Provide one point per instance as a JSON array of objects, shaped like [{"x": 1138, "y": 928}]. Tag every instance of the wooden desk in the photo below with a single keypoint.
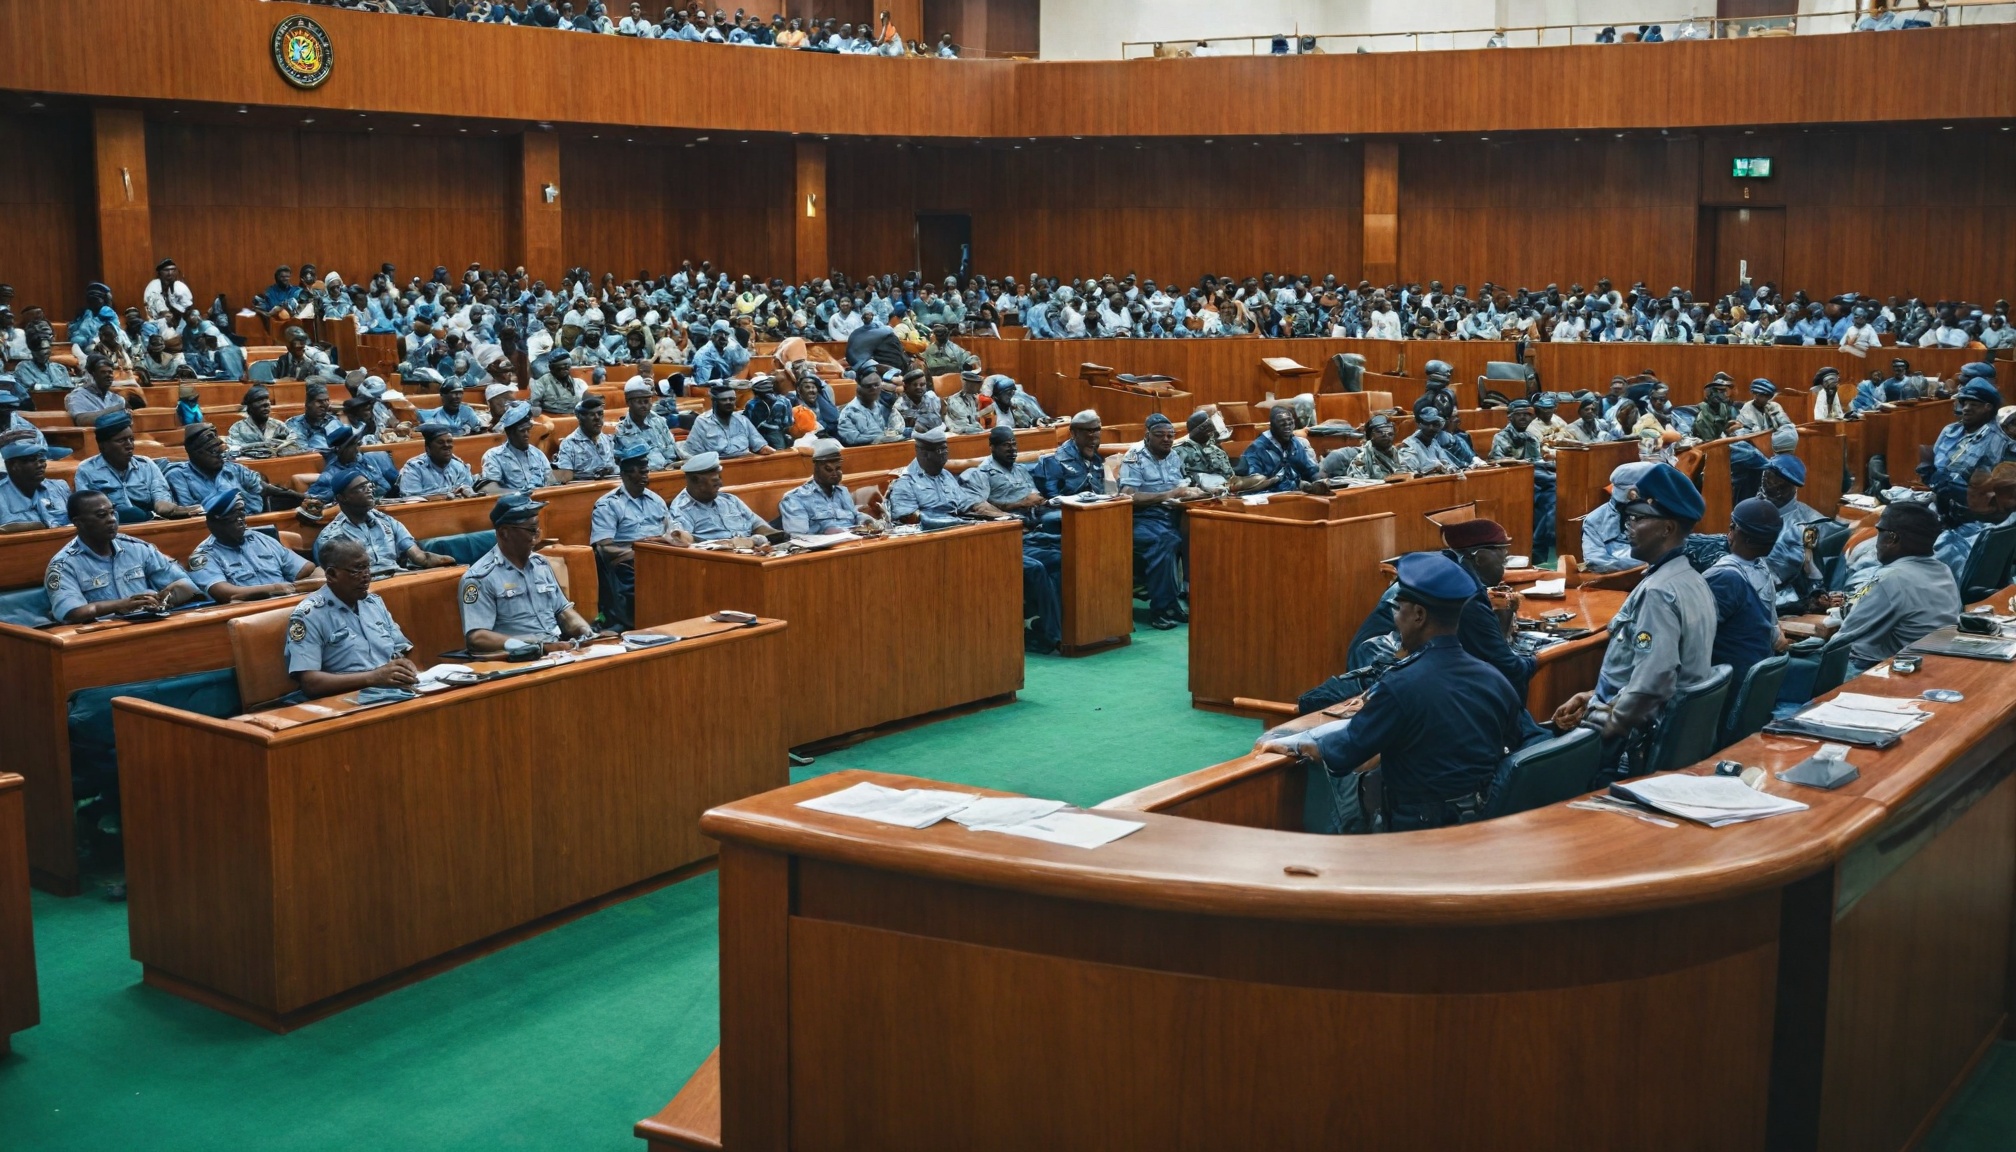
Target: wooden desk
[
  {"x": 1563, "y": 669},
  {"x": 881, "y": 630},
  {"x": 41, "y": 668},
  {"x": 1826, "y": 978},
  {"x": 20, "y": 1006},
  {"x": 1580, "y": 474},
  {"x": 1823, "y": 448},
  {"x": 280, "y": 876},
  {"x": 1097, "y": 588},
  {"x": 1718, "y": 491}
]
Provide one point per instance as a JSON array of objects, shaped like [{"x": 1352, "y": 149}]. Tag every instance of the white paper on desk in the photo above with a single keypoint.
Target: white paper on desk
[
  {"x": 903, "y": 807},
  {"x": 1863, "y": 702},
  {"x": 1255, "y": 498},
  {"x": 432, "y": 680},
  {"x": 1875, "y": 713},
  {"x": 1073, "y": 829},
  {"x": 1711, "y": 800},
  {"x": 597, "y": 651},
  {"x": 1518, "y": 561},
  {"x": 1548, "y": 587},
  {"x": 989, "y": 811},
  {"x": 824, "y": 540}
]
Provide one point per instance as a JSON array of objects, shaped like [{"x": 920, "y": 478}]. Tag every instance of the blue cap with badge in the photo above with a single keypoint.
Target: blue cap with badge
[
  {"x": 630, "y": 448},
  {"x": 21, "y": 449},
  {"x": 1757, "y": 518},
  {"x": 1434, "y": 580},
  {"x": 518, "y": 412},
  {"x": 1790, "y": 467},
  {"x": 1982, "y": 390},
  {"x": 515, "y": 508},
  {"x": 1665, "y": 492},
  {"x": 222, "y": 501}
]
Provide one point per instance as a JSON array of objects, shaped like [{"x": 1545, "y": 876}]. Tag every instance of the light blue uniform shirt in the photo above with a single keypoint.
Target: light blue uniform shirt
[
  {"x": 465, "y": 420},
  {"x": 587, "y": 459},
  {"x": 711, "y": 363},
  {"x": 726, "y": 516},
  {"x": 516, "y": 470},
  {"x": 624, "y": 519},
  {"x": 498, "y": 597},
  {"x": 47, "y": 504},
  {"x": 1605, "y": 548},
  {"x": 186, "y": 485},
  {"x": 422, "y": 477},
  {"x": 913, "y": 491},
  {"x": 326, "y": 635},
  {"x": 656, "y": 434},
  {"x": 313, "y": 436},
  {"x": 140, "y": 485},
  {"x": 862, "y": 423},
  {"x": 260, "y": 559},
  {"x": 809, "y": 510},
  {"x": 1958, "y": 452},
  {"x": 996, "y": 484},
  {"x": 383, "y": 537},
  {"x": 1141, "y": 471},
  {"x": 77, "y": 576},
  {"x": 738, "y": 437}
]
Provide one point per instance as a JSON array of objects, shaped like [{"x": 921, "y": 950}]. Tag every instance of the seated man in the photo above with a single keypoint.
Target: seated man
[
  {"x": 258, "y": 436},
  {"x": 311, "y": 429},
  {"x": 641, "y": 424},
  {"x": 623, "y": 516},
  {"x": 917, "y": 406},
  {"x": 704, "y": 512},
  {"x": 722, "y": 430},
  {"x": 1790, "y": 559},
  {"x": 104, "y": 573},
  {"x": 926, "y": 488},
  {"x": 1377, "y": 460},
  {"x": 1280, "y": 456},
  {"x": 235, "y": 564},
  {"x": 346, "y": 451},
  {"x": 511, "y": 594},
  {"x": 1975, "y": 440},
  {"x": 1605, "y": 545},
  {"x": 304, "y": 361},
  {"x": 516, "y": 466},
  {"x": 1003, "y": 482},
  {"x": 14, "y": 426},
  {"x": 1424, "y": 453},
  {"x": 1480, "y": 548},
  {"x": 1991, "y": 498},
  {"x": 822, "y": 505},
  {"x": 28, "y": 498},
  {"x": 453, "y": 413},
  {"x": 1152, "y": 474},
  {"x": 1439, "y": 721},
  {"x": 1661, "y": 638},
  {"x": 1520, "y": 440},
  {"x": 1911, "y": 595},
  {"x": 341, "y": 637},
  {"x": 865, "y": 419},
  {"x": 437, "y": 473},
  {"x": 194, "y": 480},
  {"x": 1745, "y": 591},
  {"x": 588, "y": 452},
  {"x": 1206, "y": 467},
  {"x": 386, "y": 540},
  {"x": 1013, "y": 405},
  {"x": 95, "y": 396},
  {"x": 135, "y": 484}
]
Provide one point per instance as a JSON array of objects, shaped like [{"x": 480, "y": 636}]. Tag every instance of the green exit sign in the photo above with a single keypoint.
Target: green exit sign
[{"x": 1751, "y": 168}]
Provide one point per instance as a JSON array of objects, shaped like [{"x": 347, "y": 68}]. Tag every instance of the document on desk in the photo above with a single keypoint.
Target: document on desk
[
  {"x": 825, "y": 540},
  {"x": 1889, "y": 714},
  {"x": 1711, "y": 800},
  {"x": 903, "y": 807},
  {"x": 1073, "y": 829},
  {"x": 988, "y": 812},
  {"x": 1547, "y": 588}
]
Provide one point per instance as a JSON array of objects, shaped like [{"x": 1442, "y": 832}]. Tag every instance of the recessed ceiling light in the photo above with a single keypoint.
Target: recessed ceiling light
[
  {"x": 38, "y": 104},
  {"x": 699, "y": 139},
  {"x": 307, "y": 120}
]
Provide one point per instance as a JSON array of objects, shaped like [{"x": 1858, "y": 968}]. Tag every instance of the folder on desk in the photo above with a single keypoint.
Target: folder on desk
[{"x": 1952, "y": 642}]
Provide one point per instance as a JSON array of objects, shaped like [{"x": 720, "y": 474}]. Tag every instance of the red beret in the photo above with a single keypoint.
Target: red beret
[{"x": 1468, "y": 534}]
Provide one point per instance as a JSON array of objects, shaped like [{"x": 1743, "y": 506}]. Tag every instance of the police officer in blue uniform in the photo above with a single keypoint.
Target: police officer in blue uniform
[
  {"x": 511, "y": 592},
  {"x": 623, "y": 516},
  {"x": 822, "y": 505},
  {"x": 1440, "y": 721},
  {"x": 104, "y": 573},
  {"x": 704, "y": 512},
  {"x": 196, "y": 479},
  {"x": 346, "y": 454},
  {"x": 136, "y": 485},
  {"x": 1075, "y": 467},
  {"x": 516, "y": 466},
  {"x": 1003, "y": 482},
  {"x": 341, "y": 637},
  {"x": 234, "y": 564},
  {"x": 1282, "y": 456},
  {"x": 28, "y": 498},
  {"x": 1152, "y": 474},
  {"x": 358, "y": 517},
  {"x": 436, "y": 473}
]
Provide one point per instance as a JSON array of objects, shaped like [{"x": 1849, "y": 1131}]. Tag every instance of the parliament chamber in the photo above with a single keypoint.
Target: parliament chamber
[{"x": 1105, "y": 575}]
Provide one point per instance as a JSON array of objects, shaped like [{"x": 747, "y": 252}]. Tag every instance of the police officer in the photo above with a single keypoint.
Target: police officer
[
  {"x": 1440, "y": 720},
  {"x": 196, "y": 479},
  {"x": 105, "y": 573},
  {"x": 1791, "y": 561},
  {"x": 1436, "y": 389},
  {"x": 640, "y": 423},
  {"x": 1480, "y": 548},
  {"x": 1075, "y": 468},
  {"x": 516, "y": 466},
  {"x": 704, "y": 512},
  {"x": 1662, "y": 638},
  {"x": 1605, "y": 547},
  {"x": 28, "y": 498},
  {"x": 135, "y": 484},
  {"x": 386, "y": 540},
  {"x": 1975, "y": 440},
  {"x": 1152, "y": 474},
  {"x": 436, "y": 473},
  {"x": 822, "y": 505},
  {"x": 588, "y": 452},
  {"x": 1003, "y": 482},
  {"x": 1520, "y": 440},
  {"x": 341, "y": 637},
  {"x": 623, "y": 516},
  {"x": 1745, "y": 591},
  {"x": 724, "y": 431},
  {"x": 1281, "y": 456},
  {"x": 510, "y": 592},
  {"x": 1378, "y": 459},
  {"x": 1424, "y": 453},
  {"x": 346, "y": 453},
  {"x": 925, "y": 487},
  {"x": 234, "y": 564}
]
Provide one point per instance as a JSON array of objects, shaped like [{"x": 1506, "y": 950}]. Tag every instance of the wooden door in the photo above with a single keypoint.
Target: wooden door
[{"x": 1749, "y": 243}]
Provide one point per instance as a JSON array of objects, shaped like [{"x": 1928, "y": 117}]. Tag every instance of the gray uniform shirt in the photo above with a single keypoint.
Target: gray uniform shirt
[
  {"x": 383, "y": 537},
  {"x": 655, "y": 433},
  {"x": 518, "y": 602},
  {"x": 259, "y": 559},
  {"x": 726, "y": 516},
  {"x": 809, "y": 510},
  {"x": 140, "y": 486},
  {"x": 913, "y": 491},
  {"x": 1660, "y": 640},
  {"x": 517, "y": 471},
  {"x": 623, "y": 519},
  {"x": 1908, "y": 598},
  {"x": 77, "y": 576},
  {"x": 326, "y": 635}
]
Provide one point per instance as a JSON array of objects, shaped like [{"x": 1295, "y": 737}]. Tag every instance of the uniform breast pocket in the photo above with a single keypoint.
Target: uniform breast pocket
[{"x": 127, "y": 575}]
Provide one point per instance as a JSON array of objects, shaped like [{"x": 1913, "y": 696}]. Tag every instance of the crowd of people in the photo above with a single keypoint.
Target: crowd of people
[{"x": 694, "y": 25}]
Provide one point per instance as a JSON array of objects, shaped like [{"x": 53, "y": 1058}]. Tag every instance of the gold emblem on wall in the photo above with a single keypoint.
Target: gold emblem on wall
[{"x": 301, "y": 52}]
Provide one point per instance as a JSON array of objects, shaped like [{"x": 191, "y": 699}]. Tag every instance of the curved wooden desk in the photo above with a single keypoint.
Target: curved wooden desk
[{"x": 1554, "y": 979}]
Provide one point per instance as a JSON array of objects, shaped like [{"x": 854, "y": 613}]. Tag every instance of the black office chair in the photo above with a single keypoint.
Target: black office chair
[
  {"x": 1987, "y": 568},
  {"x": 1544, "y": 773},
  {"x": 1350, "y": 369},
  {"x": 1750, "y": 705},
  {"x": 1814, "y": 669},
  {"x": 1690, "y": 723},
  {"x": 1827, "y": 550},
  {"x": 1514, "y": 381}
]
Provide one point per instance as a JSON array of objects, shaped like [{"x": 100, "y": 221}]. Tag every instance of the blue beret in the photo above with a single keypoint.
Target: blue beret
[
  {"x": 1519, "y": 404},
  {"x": 112, "y": 423},
  {"x": 1664, "y": 491},
  {"x": 21, "y": 448},
  {"x": 936, "y": 434},
  {"x": 1790, "y": 467},
  {"x": 1979, "y": 389},
  {"x": 631, "y": 449},
  {"x": 1545, "y": 402},
  {"x": 343, "y": 434},
  {"x": 1639, "y": 393},
  {"x": 517, "y": 412},
  {"x": 342, "y": 476},
  {"x": 1427, "y": 413},
  {"x": 1763, "y": 387},
  {"x": 1758, "y": 518},
  {"x": 515, "y": 508},
  {"x": 223, "y": 500},
  {"x": 1977, "y": 371},
  {"x": 1433, "y": 579},
  {"x": 1157, "y": 420}
]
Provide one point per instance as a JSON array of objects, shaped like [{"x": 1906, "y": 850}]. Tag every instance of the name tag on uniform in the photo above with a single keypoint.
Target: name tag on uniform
[{"x": 510, "y": 591}]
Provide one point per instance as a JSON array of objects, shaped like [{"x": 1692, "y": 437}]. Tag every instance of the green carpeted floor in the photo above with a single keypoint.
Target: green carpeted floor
[{"x": 564, "y": 1040}]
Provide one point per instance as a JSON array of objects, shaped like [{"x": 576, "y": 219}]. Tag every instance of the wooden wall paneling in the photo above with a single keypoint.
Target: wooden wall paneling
[
  {"x": 809, "y": 212},
  {"x": 125, "y": 234},
  {"x": 540, "y": 229},
  {"x": 632, "y": 208},
  {"x": 1381, "y": 206},
  {"x": 48, "y": 251},
  {"x": 20, "y": 1002}
]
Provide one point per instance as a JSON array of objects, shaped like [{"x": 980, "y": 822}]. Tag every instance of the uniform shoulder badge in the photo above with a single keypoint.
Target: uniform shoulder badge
[
  {"x": 54, "y": 580},
  {"x": 1642, "y": 641},
  {"x": 199, "y": 559},
  {"x": 297, "y": 629},
  {"x": 469, "y": 592}
]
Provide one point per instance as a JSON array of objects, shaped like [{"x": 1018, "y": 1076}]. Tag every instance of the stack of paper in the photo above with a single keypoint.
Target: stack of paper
[
  {"x": 1546, "y": 588},
  {"x": 1023, "y": 816},
  {"x": 1890, "y": 714},
  {"x": 1710, "y": 800},
  {"x": 823, "y": 540}
]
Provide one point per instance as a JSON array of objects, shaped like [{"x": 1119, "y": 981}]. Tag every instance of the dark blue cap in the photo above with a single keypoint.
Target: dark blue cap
[
  {"x": 431, "y": 428},
  {"x": 1433, "y": 579},
  {"x": 1790, "y": 467},
  {"x": 629, "y": 449},
  {"x": 1977, "y": 370},
  {"x": 515, "y": 508},
  {"x": 1758, "y": 518},
  {"x": 222, "y": 501},
  {"x": 341, "y": 476},
  {"x": 1980, "y": 389},
  {"x": 1665, "y": 492},
  {"x": 343, "y": 434},
  {"x": 1763, "y": 387}
]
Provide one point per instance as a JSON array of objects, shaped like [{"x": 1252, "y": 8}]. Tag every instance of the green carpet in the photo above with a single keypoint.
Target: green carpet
[{"x": 565, "y": 1040}]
